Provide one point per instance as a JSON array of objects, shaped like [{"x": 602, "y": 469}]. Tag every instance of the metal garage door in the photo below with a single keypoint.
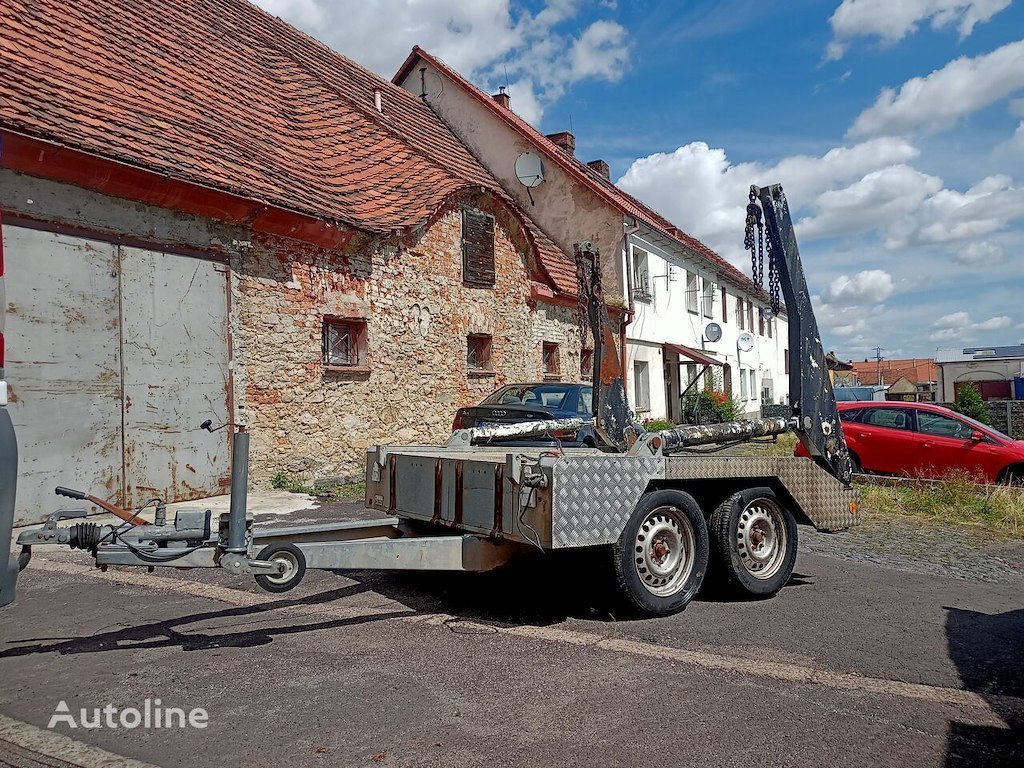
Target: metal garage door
[{"x": 114, "y": 356}]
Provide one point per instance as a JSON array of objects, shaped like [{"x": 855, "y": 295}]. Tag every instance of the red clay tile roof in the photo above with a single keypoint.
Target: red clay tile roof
[
  {"x": 625, "y": 202},
  {"x": 915, "y": 370},
  {"x": 221, "y": 94}
]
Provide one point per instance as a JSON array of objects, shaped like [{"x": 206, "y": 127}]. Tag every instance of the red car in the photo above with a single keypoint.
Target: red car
[{"x": 925, "y": 440}]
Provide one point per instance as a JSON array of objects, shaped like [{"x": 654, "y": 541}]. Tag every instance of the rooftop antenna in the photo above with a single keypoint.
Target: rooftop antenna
[{"x": 878, "y": 363}]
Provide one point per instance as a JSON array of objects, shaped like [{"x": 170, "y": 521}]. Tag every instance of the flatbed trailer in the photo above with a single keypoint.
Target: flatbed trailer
[{"x": 663, "y": 506}]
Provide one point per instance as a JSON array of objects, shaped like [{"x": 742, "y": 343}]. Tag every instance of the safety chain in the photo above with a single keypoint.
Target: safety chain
[{"x": 757, "y": 249}]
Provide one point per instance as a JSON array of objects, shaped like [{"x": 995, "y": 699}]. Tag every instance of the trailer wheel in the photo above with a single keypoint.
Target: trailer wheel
[
  {"x": 755, "y": 541},
  {"x": 660, "y": 559},
  {"x": 294, "y": 563}
]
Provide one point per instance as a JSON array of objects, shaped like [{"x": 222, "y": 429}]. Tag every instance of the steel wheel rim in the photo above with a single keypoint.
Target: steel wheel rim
[
  {"x": 663, "y": 551},
  {"x": 761, "y": 538},
  {"x": 291, "y": 567}
]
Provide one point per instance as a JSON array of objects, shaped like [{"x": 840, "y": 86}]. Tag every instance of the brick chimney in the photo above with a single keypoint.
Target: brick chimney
[
  {"x": 503, "y": 98},
  {"x": 565, "y": 140},
  {"x": 601, "y": 167}
]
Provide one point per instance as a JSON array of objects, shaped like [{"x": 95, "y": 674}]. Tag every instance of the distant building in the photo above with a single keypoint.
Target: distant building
[
  {"x": 998, "y": 372},
  {"x": 922, "y": 373}
]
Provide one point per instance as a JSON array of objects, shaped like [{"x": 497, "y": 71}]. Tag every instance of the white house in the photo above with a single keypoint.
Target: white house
[
  {"x": 672, "y": 286},
  {"x": 689, "y": 313}
]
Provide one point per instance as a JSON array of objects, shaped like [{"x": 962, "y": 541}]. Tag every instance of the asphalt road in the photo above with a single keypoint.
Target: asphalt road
[{"x": 853, "y": 664}]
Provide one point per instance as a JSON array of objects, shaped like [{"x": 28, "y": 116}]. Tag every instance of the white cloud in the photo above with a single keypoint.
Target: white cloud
[
  {"x": 872, "y": 286},
  {"x": 483, "y": 40},
  {"x": 958, "y": 326},
  {"x": 948, "y": 215},
  {"x": 1015, "y": 144},
  {"x": 849, "y": 329},
  {"x": 874, "y": 201},
  {"x": 976, "y": 254},
  {"x": 892, "y": 21},
  {"x": 994, "y": 323},
  {"x": 701, "y": 191},
  {"x": 937, "y": 101}
]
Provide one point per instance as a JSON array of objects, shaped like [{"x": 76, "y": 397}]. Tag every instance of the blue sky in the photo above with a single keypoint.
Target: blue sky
[{"x": 896, "y": 127}]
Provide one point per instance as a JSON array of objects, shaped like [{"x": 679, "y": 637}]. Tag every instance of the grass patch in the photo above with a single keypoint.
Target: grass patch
[
  {"x": 956, "y": 500},
  {"x": 331, "y": 489}
]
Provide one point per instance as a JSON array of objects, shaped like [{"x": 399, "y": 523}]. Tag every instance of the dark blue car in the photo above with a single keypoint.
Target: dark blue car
[{"x": 530, "y": 402}]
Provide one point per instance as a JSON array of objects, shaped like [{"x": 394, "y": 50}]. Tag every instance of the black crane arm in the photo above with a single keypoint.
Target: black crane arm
[{"x": 810, "y": 388}]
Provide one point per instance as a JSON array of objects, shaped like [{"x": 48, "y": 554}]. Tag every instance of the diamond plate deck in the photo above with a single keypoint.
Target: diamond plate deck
[{"x": 824, "y": 500}]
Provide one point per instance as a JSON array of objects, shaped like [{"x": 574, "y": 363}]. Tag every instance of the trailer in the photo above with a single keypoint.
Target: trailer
[{"x": 664, "y": 507}]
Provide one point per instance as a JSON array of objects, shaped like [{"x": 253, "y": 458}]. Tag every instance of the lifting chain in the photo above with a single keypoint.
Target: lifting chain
[{"x": 753, "y": 241}]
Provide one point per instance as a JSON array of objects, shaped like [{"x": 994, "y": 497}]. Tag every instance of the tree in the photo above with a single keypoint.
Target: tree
[{"x": 969, "y": 403}]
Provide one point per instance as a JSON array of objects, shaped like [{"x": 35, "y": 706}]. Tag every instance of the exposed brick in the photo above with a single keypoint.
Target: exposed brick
[{"x": 313, "y": 422}]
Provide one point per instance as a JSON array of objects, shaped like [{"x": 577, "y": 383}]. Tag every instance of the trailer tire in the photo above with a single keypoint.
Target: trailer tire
[
  {"x": 295, "y": 567},
  {"x": 755, "y": 543},
  {"x": 662, "y": 554}
]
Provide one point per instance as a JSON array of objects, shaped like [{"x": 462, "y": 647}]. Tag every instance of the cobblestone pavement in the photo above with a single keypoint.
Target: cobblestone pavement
[{"x": 909, "y": 545}]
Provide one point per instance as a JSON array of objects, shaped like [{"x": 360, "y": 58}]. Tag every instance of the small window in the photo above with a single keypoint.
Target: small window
[
  {"x": 785, "y": 361},
  {"x": 344, "y": 343},
  {"x": 851, "y": 414},
  {"x": 691, "y": 292},
  {"x": 750, "y": 315},
  {"x": 943, "y": 426},
  {"x": 753, "y": 385},
  {"x": 890, "y": 418},
  {"x": 769, "y": 323},
  {"x": 760, "y": 321},
  {"x": 725, "y": 306},
  {"x": 739, "y": 312},
  {"x": 709, "y": 298},
  {"x": 743, "y": 385},
  {"x": 641, "y": 276},
  {"x": 478, "y": 352},
  {"x": 586, "y": 363},
  {"x": 551, "y": 366},
  {"x": 477, "y": 248},
  {"x": 642, "y": 385}
]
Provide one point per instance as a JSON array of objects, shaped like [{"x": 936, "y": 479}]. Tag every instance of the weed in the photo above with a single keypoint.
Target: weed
[{"x": 957, "y": 500}]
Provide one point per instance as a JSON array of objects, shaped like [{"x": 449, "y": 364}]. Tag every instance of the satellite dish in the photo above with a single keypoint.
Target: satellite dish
[
  {"x": 529, "y": 170},
  {"x": 745, "y": 341},
  {"x": 713, "y": 332}
]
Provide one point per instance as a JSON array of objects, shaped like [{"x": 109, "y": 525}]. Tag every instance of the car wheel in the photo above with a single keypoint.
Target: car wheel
[
  {"x": 755, "y": 543},
  {"x": 661, "y": 556},
  {"x": 855, "y": 466}
]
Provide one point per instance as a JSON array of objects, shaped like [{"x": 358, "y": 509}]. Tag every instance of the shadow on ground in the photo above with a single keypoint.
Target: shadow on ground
[{"x": 988, "y": 651}]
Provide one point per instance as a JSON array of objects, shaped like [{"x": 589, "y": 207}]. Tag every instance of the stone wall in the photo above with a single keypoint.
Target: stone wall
[{"x": 311, "y": 421}]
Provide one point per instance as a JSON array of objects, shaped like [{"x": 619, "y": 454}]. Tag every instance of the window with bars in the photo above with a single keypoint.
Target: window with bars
[
  {"x": 477, "y": 248},
  {"x": 344, "y": 343},
  {"x": 709, "y": 298},
  {"x": 550, "y": 360},
  {"x": 587, "y": 363},
  {"x": 478, "y": 353}
]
